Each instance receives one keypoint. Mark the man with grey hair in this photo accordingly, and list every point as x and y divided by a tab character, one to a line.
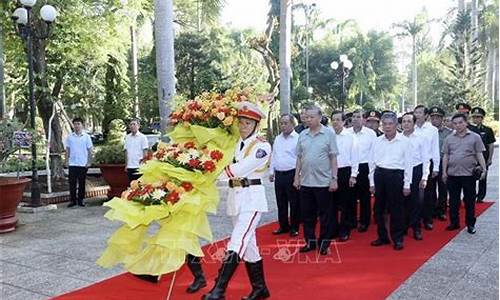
390	179
282	172
316	177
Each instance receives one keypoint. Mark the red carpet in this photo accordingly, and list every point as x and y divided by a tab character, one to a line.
354	270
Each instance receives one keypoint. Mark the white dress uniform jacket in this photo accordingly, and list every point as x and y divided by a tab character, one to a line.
251	162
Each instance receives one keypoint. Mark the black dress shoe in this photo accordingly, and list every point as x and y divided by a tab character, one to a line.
324	251
452	227
428	226
280	231
362	228
442	217
379	242
417	234
398	246
71	204
148	278
344	238
471	229
307	248
294	233
81	204
480	200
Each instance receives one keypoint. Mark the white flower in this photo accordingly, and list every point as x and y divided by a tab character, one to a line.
193	152
184	158
158	194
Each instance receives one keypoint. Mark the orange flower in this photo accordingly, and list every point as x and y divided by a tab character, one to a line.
193	163
173	197
189	145
216	155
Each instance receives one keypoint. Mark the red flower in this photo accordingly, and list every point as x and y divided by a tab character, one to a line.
193	163
189	145
216	155
209	166
173	197
187	186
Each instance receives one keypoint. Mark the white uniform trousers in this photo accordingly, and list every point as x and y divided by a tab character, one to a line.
243	240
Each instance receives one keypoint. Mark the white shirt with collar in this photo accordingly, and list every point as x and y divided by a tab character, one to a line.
284	156
431	134
135	146
348	151
79	146
393	155
364	140
419	154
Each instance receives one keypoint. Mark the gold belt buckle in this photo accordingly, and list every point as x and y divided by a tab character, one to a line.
236	182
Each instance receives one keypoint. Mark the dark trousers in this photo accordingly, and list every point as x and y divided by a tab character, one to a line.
77	180
342	203
429	197
415	200
481	188
287	195
132	175
361	191
316	202
389	199
442	195
457	184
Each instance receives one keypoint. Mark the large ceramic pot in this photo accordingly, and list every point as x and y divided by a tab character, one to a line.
11	191
116	177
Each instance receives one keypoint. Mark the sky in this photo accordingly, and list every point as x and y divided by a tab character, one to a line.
369	14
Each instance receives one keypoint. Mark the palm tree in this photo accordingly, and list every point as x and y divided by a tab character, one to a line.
165	65
412	29
285	55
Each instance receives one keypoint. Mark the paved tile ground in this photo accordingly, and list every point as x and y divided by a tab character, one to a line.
54	252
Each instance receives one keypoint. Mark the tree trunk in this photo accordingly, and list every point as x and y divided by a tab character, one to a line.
134	70
165	64
414	63
285	56
474	21
461	5
2	87
495	83
45	106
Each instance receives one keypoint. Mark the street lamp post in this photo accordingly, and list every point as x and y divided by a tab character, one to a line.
345	66
24	23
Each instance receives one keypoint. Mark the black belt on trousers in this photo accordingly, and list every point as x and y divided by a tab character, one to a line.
285	172
243	182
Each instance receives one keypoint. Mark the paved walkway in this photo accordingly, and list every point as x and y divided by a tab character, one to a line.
55	252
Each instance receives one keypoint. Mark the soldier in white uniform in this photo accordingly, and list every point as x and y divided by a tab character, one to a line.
245	204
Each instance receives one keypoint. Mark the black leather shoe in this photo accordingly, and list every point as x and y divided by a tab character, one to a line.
307	248
441	217
344	238
379	242
362	228
226	271
471	229
428	226
324	251
280	231
294	233
148	278
452	227
71	204
480	200
398	246
81	204
417	234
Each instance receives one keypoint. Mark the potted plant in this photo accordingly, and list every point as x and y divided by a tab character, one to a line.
110	158
11	188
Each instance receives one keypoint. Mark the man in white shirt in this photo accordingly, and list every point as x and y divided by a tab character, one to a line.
431	136
365	137
347	164
420	163
390	179
282	172
78	159
136	147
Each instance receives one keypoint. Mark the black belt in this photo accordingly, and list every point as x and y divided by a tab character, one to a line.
284	172
243	182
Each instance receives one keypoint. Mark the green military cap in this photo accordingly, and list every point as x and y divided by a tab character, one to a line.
478	111
436	111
